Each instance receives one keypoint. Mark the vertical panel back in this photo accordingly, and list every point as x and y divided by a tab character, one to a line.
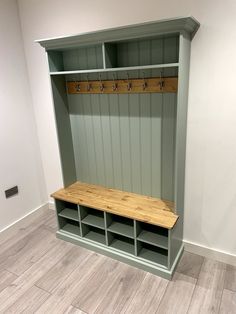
125	141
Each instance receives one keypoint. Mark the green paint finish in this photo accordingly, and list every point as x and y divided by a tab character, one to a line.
82	58
142	52
63	130
94	74
133	142
125	141
148	29
55	61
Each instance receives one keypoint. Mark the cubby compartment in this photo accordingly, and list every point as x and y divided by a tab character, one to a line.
120	225
82	58
152	234
93	233
120	242
153	51
92	217
67	210
152	253
69	226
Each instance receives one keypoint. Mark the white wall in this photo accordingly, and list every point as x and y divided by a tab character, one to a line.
20	162
211	153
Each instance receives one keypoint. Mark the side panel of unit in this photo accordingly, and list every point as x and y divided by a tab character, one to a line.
181	129
63	130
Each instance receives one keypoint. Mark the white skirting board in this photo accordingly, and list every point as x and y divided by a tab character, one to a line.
188	246
217	255
23	221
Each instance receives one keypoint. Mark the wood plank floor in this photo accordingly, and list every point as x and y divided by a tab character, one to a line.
42	274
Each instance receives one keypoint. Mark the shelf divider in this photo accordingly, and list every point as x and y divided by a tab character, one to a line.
153	239
75	230
69	214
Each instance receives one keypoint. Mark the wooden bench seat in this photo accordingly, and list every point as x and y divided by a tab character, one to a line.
135	206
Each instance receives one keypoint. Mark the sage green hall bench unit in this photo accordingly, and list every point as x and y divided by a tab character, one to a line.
120	100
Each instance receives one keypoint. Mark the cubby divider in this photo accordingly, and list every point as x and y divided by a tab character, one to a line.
93	233
143	240
92	217
121	243
70	226
67	210
152	253
120	225
153	235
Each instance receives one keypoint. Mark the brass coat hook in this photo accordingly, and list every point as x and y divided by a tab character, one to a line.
144	82
101	84
114	86
89	86
161	82
129	84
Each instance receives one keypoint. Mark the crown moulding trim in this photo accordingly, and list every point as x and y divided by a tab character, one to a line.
185	25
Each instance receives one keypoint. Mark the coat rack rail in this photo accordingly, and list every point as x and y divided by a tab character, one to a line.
124	86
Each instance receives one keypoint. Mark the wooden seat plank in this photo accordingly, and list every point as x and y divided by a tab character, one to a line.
135	206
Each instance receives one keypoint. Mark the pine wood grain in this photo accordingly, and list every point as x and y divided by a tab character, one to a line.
143	208
149	85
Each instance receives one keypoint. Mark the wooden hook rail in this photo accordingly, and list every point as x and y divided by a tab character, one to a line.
128	86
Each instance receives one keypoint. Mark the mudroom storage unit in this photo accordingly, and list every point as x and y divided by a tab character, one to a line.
120	99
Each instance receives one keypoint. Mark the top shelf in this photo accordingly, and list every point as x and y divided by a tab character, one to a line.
132	55
139	207
131	68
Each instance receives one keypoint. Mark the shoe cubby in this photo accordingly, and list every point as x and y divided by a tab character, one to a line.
93	234
153	235
69	226
120	225
152	253
67	210
92	217
121	243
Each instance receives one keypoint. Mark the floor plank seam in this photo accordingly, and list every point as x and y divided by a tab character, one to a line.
163	295
11	272
42	289
221	297
134	294
195	286
79	309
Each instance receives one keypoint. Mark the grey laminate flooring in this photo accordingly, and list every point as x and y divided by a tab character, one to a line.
41	274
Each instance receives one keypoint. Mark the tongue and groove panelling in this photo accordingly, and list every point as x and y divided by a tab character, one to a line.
125	141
